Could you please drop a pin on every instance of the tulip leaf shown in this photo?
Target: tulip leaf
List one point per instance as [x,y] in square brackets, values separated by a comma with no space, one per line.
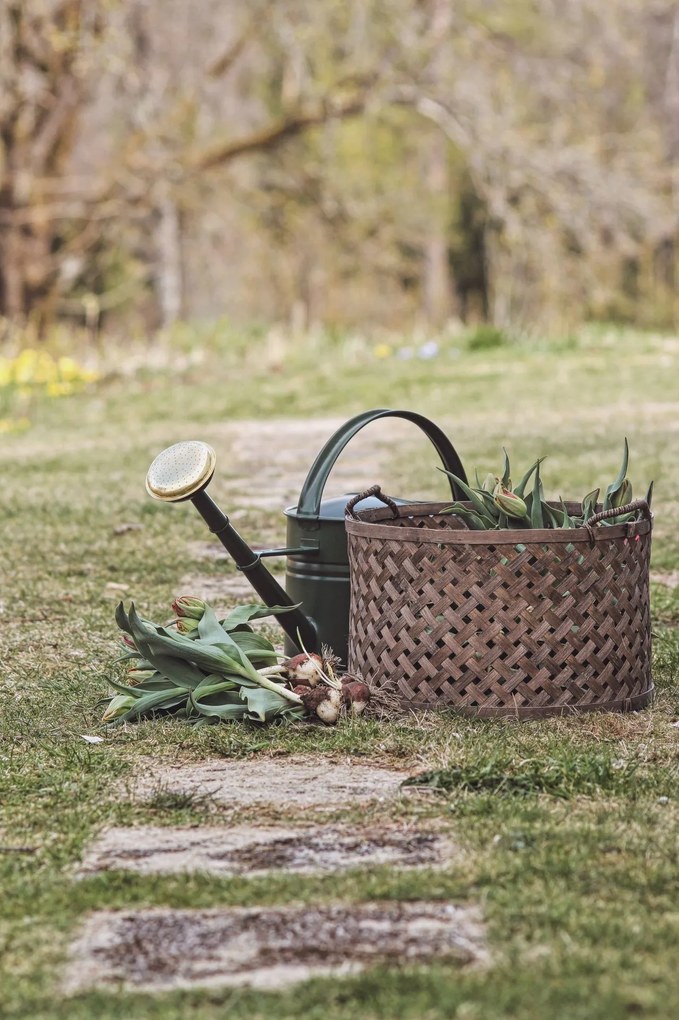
[521,487]
[263,704]
[626,496]
[257,648]
[551,516]
[160,683]
[253,611]
[216,681]
[470,517]
[506,479]
[210,629]
[123,688]
[536,520]
[149,703]
[223,711]
[492,509]
[566,521]
[615,488]
[159,646]
[122,619]
[474,498]
[589,504]
[159,652]
[216,694]
[140,663]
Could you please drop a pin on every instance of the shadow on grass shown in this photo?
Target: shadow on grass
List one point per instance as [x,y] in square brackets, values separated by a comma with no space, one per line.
[563,772]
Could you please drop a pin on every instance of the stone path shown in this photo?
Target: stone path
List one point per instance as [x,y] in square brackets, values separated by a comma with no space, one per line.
[162,949]
[282,783]
[159,950]
[255,850]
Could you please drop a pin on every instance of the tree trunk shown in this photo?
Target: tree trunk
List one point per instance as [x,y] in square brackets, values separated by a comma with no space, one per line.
[43,96]
[437,291]
[170,276]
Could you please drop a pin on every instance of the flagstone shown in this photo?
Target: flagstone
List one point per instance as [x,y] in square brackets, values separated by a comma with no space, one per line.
[256,850]
[267,948]
[281,782]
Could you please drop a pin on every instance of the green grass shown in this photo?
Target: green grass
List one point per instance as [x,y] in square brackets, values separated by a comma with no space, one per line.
[567,827]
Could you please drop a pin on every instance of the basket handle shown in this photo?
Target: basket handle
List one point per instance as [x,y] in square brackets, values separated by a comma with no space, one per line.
[309,505]
[628,508]
[374,490]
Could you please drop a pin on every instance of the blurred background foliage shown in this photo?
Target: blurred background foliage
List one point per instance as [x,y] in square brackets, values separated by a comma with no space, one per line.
[386,163]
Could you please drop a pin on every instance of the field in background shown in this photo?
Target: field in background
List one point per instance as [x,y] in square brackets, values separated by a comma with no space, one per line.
[574,863]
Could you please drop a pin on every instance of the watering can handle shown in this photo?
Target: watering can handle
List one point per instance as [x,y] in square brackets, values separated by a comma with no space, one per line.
[310,497]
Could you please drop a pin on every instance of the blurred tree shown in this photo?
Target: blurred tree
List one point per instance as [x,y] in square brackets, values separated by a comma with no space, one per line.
[46,47]
[357,159]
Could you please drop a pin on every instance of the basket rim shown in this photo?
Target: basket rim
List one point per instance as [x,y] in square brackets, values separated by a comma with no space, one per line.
[379,524]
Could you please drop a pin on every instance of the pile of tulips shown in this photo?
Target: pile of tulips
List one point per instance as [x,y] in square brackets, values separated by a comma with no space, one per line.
[208,669]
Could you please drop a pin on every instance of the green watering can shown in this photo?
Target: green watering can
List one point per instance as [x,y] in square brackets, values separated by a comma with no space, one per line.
[317,586]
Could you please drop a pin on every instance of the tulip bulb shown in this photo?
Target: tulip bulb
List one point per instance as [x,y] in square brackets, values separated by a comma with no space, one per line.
[305,668]
[325,702]
[355,696]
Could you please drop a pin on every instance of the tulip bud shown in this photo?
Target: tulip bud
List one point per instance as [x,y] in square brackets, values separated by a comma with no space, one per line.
[138,676]
[509,503]
[623,495]
[118,705]
[187,625]
[189,607]
[490,482]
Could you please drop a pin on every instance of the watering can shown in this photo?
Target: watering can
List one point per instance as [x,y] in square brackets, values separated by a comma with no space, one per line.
[317,588]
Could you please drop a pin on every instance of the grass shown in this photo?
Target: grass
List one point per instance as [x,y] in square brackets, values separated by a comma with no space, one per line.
[567,828]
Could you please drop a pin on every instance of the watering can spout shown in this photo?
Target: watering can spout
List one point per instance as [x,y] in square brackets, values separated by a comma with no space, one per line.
[183,472]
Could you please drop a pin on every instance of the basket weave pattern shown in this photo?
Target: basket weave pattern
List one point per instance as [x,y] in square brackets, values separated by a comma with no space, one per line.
[526,623]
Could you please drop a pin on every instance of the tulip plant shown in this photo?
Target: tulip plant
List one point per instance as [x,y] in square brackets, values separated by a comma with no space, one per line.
[495,503]
[200,665]
[208,669]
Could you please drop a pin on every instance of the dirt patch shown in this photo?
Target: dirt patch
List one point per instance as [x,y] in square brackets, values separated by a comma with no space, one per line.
[283,783]
[266,948]
[251,850]
[278,454]
[221,592]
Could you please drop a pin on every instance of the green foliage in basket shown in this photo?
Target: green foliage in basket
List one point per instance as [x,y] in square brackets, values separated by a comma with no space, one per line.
[495,503]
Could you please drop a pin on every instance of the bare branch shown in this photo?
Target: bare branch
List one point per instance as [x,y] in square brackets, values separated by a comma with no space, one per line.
[275,134]
[223,64]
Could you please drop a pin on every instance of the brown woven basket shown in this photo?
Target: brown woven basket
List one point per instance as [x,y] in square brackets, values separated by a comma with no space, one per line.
[527,623]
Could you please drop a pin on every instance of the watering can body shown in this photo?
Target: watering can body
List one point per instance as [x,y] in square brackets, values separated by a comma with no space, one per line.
[317,576]
[317,570]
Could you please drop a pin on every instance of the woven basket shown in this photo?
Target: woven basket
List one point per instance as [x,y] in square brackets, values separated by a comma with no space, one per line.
[528,623]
